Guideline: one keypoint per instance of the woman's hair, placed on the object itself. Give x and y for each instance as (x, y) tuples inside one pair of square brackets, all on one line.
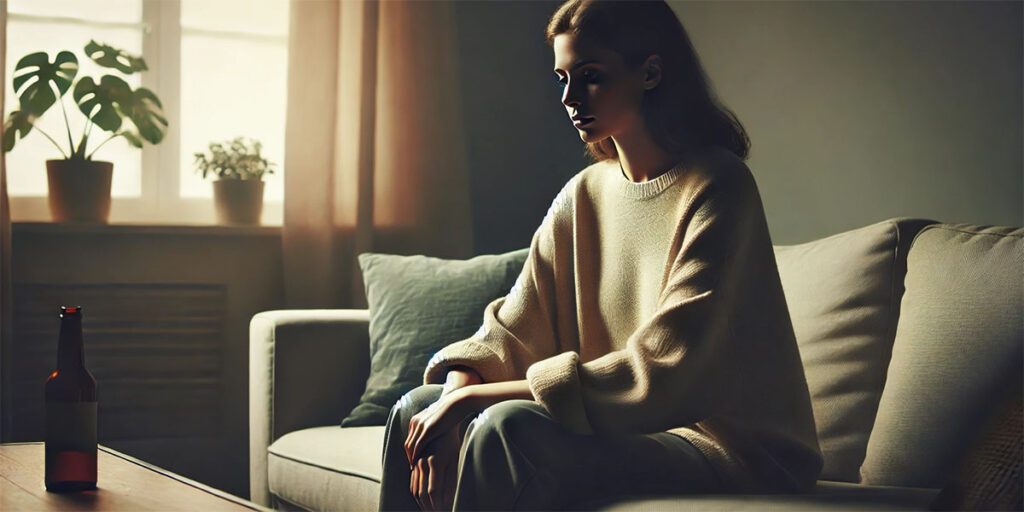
[(681, 113)]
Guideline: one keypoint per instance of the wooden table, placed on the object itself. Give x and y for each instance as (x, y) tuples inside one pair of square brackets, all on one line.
[(125, 483)]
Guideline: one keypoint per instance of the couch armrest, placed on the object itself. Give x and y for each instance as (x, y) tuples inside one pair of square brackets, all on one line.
[(306, 368)]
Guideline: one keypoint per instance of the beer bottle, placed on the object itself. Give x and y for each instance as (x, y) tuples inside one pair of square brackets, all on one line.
[(70, 412)]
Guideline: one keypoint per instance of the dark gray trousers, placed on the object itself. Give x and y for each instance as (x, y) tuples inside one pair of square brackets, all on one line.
[(516, 457)]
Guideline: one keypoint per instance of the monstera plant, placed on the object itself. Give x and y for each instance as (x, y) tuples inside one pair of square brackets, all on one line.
[(79, 187)]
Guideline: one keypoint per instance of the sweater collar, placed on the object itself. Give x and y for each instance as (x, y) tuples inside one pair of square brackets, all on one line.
[(646, 189)]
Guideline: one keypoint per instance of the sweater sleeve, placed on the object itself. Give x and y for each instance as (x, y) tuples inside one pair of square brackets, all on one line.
[(521, 327), (674, 367)]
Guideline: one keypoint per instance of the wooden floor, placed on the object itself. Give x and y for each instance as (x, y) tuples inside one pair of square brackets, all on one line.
[(125, 483)]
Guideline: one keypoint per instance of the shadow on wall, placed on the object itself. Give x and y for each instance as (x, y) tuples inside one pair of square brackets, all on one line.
[(521, 145)]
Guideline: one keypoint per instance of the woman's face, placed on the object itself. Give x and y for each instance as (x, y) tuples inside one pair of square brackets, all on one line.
[(601, 96)]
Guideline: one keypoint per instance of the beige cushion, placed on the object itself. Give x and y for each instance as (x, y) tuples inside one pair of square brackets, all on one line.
[(328, 468), (843, 294), (958, 349)]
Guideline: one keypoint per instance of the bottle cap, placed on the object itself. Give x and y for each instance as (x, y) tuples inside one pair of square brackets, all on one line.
[(70, 310)]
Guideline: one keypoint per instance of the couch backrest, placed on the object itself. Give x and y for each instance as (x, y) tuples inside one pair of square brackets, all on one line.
[(957, 352), (843, 294)]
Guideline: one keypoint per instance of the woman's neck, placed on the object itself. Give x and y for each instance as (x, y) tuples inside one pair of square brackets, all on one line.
[(641, 159)]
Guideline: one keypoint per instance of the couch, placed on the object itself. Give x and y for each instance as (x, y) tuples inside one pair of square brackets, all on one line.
[(910, 332)]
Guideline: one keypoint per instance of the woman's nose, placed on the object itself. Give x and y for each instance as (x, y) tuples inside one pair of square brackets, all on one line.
[(570, 96)]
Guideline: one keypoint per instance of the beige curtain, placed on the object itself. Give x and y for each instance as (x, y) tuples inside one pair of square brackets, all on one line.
[(375, 152), (5, 249)]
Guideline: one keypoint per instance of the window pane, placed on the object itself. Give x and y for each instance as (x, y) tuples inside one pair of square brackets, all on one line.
[(98, 10), (231, 87), (26, 170), (251, 16)]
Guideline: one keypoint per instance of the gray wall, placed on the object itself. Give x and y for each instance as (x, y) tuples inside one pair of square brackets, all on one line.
[(861, 111), (858, 111), (522, 147)]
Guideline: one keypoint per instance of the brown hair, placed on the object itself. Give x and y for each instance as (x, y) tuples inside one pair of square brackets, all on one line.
[(682, 112)]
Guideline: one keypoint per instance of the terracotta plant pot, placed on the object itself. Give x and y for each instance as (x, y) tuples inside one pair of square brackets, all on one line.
[(79, 190), (238, 201)]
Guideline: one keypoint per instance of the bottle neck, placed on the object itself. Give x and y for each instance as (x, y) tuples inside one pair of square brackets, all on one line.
[(70, 350)]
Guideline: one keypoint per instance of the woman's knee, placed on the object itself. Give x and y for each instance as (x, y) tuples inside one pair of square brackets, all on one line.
[(416, 400), (519, 423), (506, 459)]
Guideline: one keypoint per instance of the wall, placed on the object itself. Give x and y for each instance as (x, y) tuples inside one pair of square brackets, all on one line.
[(522, 147), (862, 111), (858, 111)]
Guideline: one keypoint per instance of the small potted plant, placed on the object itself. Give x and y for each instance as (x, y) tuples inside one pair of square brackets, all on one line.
[(79, 187), (238, 168)]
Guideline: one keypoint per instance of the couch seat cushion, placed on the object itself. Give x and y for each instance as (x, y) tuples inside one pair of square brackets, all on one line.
[(829, 496), (843, 294), (327, 468), (958, 352)]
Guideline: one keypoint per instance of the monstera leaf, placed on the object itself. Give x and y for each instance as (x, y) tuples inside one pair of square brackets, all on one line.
[(110, 57), (132, 138), (34, 75), (111, 89), (106, 101), (146, 112), (17, 126)]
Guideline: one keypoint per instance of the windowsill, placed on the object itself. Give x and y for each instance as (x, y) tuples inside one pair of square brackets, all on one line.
[(140, 211), (142, 229)]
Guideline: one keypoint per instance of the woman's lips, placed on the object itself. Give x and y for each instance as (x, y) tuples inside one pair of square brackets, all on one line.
[(583, 121)]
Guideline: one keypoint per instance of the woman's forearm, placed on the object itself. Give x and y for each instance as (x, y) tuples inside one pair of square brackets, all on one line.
[(483, 396), (460, 376)]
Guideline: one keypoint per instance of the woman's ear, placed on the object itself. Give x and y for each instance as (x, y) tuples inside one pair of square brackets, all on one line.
[(652, 72)]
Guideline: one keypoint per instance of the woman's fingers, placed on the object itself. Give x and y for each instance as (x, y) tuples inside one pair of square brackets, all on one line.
[(418, 439), (421, 492), (433, 422), (416, 427), (433, 476), (414, 484), (433, 482), (412, 442)]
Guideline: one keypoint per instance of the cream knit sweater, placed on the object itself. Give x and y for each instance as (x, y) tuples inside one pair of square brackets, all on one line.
[(657, 306)]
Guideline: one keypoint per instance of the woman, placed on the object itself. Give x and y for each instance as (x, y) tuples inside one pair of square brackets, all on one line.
[(646, 347)]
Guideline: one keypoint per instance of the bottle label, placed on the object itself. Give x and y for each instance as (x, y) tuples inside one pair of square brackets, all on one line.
[(71, 426)]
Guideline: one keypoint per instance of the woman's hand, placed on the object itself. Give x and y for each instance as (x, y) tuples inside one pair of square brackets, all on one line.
[(433, 477), (439, 418), (448, 411)]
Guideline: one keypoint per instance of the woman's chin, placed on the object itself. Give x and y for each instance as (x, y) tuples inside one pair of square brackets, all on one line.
[(590, 135)]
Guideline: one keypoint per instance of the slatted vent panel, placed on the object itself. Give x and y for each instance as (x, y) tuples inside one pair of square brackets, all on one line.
[(156, 351)]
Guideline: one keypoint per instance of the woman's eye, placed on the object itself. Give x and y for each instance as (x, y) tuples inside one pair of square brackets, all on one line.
[(590, 76)]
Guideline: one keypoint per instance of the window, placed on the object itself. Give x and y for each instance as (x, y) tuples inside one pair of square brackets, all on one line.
[(219, 68)]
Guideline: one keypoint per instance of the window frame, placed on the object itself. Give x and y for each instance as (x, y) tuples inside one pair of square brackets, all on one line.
[(160, 201)]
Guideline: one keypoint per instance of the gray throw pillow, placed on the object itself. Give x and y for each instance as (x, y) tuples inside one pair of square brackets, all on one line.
[(418, 305)]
